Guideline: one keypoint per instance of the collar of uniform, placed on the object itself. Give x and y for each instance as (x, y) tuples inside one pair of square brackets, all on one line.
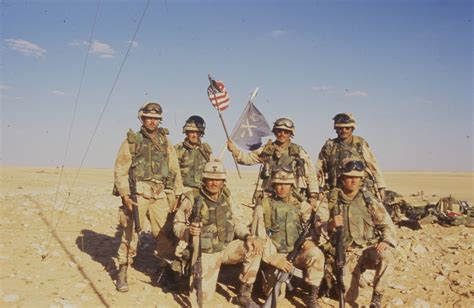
[(347, 141), (286, 199), (207, 196), (282, 146), (189, 145), (346, 200)]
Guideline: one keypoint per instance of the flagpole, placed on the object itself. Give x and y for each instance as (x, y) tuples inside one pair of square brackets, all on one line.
[(225, 128)]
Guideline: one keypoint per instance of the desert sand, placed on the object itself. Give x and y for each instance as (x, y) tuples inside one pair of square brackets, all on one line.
[(434, 268)]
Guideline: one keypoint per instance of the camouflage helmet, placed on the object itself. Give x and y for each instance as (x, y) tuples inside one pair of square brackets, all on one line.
[(195, 124), (214, 170), (283, 176), (150, 110), (352, 167), (344, 120), (285, 124)]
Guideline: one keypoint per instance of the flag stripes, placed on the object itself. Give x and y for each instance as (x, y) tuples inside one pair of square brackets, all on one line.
[(218, 95)]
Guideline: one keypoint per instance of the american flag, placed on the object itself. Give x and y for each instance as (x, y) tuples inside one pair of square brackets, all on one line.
[(218, 95)]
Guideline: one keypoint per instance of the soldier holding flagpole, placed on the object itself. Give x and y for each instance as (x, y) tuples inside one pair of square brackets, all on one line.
[(278, 154)]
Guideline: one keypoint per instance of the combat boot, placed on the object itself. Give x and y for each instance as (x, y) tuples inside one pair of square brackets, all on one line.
[(122, 284), (311, 299), (245, 296), (376, 301)]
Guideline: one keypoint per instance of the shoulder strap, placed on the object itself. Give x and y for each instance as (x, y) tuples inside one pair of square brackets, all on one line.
[(134, 139), (294, 149), (205, 150)]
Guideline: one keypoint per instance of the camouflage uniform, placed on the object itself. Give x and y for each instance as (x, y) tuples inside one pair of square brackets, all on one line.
[(158, 181), (193, 157), (290, 215), (223, 235), (274, 155), (364, 217), (283, 221), (335, 150)]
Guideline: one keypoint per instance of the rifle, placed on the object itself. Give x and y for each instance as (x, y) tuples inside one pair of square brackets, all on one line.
[(340, 261), (196, 261), (132, 182), (283, 277)]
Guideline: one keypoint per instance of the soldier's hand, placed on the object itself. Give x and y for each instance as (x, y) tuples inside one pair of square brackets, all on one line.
[(231, 146), (382, 193), (337, 221), (381, 247), (313, 201), (128, 202), (254, 245), (284, 265), (320, 174), (195, 229)]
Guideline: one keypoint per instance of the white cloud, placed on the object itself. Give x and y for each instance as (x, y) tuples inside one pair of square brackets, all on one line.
[(4, 87), (357, 93), (76, 43), (103, 50), (277, 33), (322, 88), (25, 47), (61, 93)]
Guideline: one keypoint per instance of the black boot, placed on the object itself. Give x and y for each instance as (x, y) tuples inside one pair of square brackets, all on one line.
[(122, 284), (311, 299), (376, 300), (245, 296)]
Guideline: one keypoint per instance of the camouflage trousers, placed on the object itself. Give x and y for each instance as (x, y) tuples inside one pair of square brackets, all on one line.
[(310, 260), (360, 260), (156, 212), (234, 253)]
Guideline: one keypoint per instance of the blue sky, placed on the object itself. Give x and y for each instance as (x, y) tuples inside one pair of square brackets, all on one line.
[(403, 68)]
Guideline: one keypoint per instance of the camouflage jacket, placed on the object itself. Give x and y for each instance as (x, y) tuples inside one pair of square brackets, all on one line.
[(334, 151), (272, 154), (191, 162), (149, 189), (366, 220), (183, 215)]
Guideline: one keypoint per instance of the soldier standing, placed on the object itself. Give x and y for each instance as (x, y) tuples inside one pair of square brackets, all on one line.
[(281, 152), (347, 145), (152, 159), (192, 153), (225, 239), (368, 232), (284, 218)]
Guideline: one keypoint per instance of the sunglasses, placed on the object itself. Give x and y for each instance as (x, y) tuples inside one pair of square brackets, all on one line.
[(342, 119), (287, 168), (285, 122), (353, 165)]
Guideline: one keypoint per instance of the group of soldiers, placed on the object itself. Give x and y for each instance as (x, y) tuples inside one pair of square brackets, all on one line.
[(175, 184)]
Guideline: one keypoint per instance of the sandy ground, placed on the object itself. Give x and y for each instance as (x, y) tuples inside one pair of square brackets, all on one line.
[(435, 267)]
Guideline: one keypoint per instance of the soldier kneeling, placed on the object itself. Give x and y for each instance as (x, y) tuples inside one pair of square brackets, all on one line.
[(285, 217), (213, 221), (368, 233)]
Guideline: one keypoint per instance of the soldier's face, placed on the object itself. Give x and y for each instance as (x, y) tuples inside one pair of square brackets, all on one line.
[(213, 186), (282, 135), (351, 183), (193, 137), (344, 132), (150, 123), (282, 190)]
